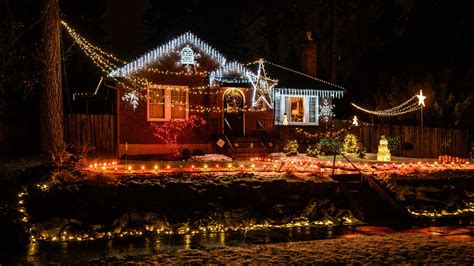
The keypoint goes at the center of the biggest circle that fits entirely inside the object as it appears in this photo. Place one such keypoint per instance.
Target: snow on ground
(379, 249)
(212, 158)
(369, 158)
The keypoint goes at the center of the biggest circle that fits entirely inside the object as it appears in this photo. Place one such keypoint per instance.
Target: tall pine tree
(52, 129)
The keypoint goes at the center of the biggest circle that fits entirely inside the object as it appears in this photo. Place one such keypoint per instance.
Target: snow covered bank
(110, 205)
(433, 193)
(384, 249)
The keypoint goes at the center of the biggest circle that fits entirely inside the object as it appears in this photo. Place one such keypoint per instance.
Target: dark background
(386, 50)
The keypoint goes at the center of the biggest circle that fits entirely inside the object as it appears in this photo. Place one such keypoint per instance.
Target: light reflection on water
(73, 252)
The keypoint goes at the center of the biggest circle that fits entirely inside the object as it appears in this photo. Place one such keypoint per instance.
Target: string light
(102, 59)
(108, 64)
(233, 67)
(303, 74)
(406, 107)
(165, 49)
(262, 85)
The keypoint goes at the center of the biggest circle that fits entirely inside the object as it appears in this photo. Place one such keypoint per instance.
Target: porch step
(247, 147)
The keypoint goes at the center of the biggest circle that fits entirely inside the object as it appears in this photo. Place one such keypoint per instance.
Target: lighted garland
(262, 95)
(108, 62)
(302, 74)
(408, 106)
(164, 49)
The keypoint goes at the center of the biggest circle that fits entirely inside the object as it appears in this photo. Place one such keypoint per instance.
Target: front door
(233, 112)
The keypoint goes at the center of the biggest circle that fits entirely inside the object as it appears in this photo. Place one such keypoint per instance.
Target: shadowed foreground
(392, 248)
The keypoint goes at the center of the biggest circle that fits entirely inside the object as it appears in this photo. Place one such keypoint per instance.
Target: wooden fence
(417, 142)
(96, 130)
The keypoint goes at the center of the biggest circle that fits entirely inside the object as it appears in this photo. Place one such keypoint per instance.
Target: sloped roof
(160, 51)
(290, 78)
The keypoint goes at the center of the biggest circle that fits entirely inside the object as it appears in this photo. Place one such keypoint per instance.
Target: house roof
(290, 78)
(165, 49)
(229, 72)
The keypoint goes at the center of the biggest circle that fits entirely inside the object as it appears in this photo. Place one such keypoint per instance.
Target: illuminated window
(156, 103)
(178, 104)
(299, 109)
(296, 109)
(167, 102)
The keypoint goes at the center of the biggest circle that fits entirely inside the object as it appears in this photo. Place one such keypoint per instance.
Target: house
(187, 78)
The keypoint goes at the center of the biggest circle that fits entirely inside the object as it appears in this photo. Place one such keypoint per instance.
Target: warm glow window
(167, 102)
(296, 109)
(156, 103)
(178, 104)
(299, 109)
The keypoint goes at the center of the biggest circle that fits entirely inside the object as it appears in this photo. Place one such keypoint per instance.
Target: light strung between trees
(413, 104)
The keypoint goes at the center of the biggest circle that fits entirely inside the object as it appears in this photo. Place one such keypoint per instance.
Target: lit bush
(291, 147)
(393, 142)
(350, 143)
(313, 150)
(326, 146)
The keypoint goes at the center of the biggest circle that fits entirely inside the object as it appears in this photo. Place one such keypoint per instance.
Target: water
(73, 252)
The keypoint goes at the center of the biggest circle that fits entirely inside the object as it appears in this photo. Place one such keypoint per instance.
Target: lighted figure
(383, 153)
(355, 121)
(285, 119)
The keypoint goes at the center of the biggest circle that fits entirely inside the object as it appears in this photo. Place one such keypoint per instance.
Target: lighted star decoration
(421, 99)
(262, 87)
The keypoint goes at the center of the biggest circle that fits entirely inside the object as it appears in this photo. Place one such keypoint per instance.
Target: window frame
(167, 109)
(285, 108)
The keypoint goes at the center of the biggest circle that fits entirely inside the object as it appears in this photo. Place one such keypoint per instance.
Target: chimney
(309, 55)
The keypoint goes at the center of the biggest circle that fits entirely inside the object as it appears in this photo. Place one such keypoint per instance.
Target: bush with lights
(350, 144)
(313, 150)
(291, 147)
(326, 146)
(393, 142)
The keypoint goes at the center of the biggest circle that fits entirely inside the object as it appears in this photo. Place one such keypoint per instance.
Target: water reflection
(73, 252)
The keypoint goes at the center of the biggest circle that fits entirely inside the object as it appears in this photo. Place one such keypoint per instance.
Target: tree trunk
(52, 129)
(333, 42)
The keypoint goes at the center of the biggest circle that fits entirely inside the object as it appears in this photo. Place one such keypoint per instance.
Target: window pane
(178, 103)
(277, 109)
(312, 109)
(296, 109)
(156, 103)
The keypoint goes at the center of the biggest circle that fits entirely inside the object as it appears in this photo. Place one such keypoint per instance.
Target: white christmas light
(326, 110)
(262, 86)
(407, 107)
(186, 38)
(132, 98)
(421, 99)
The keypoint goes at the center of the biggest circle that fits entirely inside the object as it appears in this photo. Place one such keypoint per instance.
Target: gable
(231, 72)
(184, 50)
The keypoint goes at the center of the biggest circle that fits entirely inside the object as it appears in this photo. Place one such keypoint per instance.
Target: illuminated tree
(169, 132)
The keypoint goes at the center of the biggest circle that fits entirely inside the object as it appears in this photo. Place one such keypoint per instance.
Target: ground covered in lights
(395, 248)
(430, 193)
(106, 205)
(215, 194)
